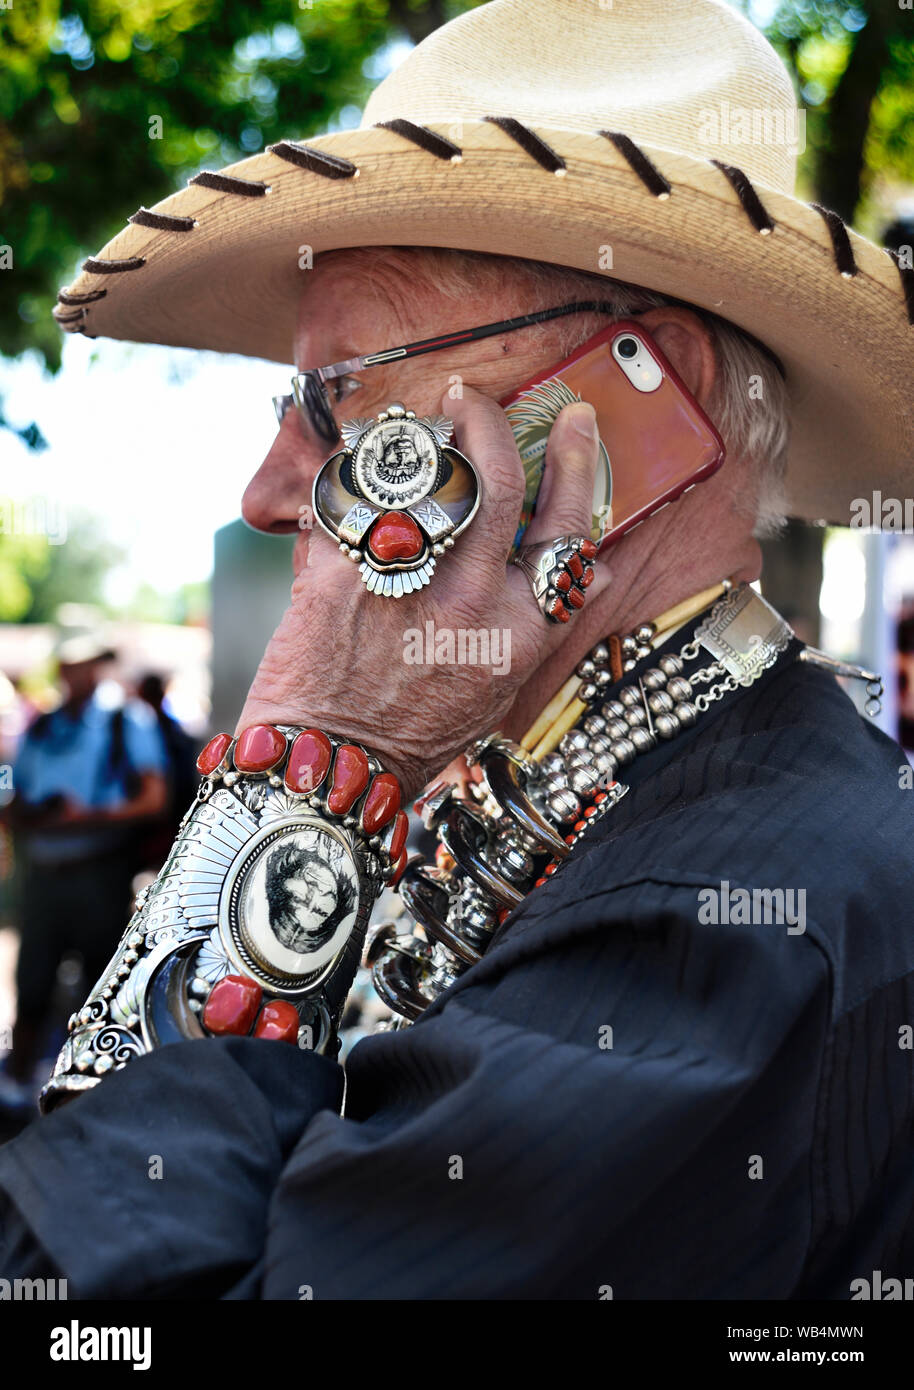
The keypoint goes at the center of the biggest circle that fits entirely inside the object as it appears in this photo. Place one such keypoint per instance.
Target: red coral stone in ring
(589, 549)
(232, 1005)
(395, 537)
(577, 599)
(309, 761)
(278, 1021)
(586, 578)
(382, 802)
(574, 564)
(350, 778)
(259, 748)
(211, 756)
(563, 581)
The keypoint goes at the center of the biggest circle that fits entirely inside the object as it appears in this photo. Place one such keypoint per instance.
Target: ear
(685, 340)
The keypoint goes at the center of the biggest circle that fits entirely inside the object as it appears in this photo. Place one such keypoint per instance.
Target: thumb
(565, 503)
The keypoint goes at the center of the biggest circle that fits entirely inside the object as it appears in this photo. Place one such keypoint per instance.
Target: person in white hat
(663, 963)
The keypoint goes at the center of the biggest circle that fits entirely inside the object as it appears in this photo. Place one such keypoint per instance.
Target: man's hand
(336, 660)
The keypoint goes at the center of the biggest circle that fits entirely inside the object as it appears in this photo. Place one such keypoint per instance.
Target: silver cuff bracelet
(256, 922)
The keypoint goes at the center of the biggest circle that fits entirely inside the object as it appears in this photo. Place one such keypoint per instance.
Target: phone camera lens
(627, 347)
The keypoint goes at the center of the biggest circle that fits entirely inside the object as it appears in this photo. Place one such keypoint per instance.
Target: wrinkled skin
(336, 660)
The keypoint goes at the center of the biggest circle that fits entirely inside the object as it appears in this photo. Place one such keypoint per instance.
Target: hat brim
(78, 651)
(217, 266)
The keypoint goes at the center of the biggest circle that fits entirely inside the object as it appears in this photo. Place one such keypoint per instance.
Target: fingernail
(584, 420)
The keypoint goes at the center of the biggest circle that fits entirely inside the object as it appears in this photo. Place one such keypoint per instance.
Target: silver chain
(706, 674)
(716, 692)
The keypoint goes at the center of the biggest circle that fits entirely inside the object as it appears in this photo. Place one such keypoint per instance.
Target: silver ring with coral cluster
(396, 497)
(560, 572)
(255, 924)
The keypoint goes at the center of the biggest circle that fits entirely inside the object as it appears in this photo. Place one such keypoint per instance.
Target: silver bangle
(256, 921)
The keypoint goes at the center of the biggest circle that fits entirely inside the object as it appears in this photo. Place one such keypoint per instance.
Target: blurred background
(121, 466)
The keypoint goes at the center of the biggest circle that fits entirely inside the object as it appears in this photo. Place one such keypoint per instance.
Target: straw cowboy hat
(555, 129)
(81, 636)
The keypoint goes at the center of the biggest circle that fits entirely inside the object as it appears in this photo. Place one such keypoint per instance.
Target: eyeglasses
(316, 391)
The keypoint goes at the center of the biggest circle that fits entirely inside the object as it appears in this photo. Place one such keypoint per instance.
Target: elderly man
(631, 1070)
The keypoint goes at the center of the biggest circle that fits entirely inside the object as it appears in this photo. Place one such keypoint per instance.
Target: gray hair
(749, 402)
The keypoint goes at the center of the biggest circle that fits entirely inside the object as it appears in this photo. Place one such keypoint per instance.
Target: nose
(281, 487)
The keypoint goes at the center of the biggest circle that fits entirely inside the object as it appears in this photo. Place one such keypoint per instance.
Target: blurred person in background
(87, 775)
(181, 772)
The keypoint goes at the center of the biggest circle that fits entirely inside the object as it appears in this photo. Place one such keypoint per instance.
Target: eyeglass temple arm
(468, 335)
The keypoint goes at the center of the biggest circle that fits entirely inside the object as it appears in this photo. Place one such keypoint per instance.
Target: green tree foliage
(37, 575)
(854, 67)
(109, 104)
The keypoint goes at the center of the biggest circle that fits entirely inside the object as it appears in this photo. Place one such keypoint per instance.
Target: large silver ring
(560, 573)
(396, 497)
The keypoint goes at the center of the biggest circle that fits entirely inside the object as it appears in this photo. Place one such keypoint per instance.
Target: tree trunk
(840, 163)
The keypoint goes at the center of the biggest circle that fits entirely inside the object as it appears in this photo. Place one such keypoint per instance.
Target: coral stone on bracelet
(350, 778)
(309, 761)
(381, 804)
(278, 1021)
(212, 755)
(341, 778)
(232, 1005)
(259, 748)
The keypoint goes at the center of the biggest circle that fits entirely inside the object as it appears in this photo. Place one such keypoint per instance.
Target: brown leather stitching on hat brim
(647, 171)
(841, 242)
(751, 203)
(531, 143)
(226, 183)
(95, 267)
(160, 222)
(333, 166)
(426, 139)
(64, 297)
(328, 166)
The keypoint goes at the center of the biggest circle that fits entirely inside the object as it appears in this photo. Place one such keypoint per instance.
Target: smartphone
(656, 442)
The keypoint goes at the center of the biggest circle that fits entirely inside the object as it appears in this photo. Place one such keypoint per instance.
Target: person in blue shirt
(86, 778)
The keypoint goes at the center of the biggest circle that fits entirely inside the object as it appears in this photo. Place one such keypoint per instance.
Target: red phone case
(660, 443)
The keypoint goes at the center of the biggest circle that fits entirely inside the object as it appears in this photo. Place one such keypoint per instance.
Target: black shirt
(747, 1134)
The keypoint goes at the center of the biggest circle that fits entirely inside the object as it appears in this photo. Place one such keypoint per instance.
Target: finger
(565, 503)
(483, 434)
(566, 508)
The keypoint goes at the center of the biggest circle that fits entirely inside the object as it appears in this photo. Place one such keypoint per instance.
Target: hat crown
(695, 78)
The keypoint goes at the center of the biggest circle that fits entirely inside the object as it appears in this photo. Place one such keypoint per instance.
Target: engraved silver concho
(744, 633)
